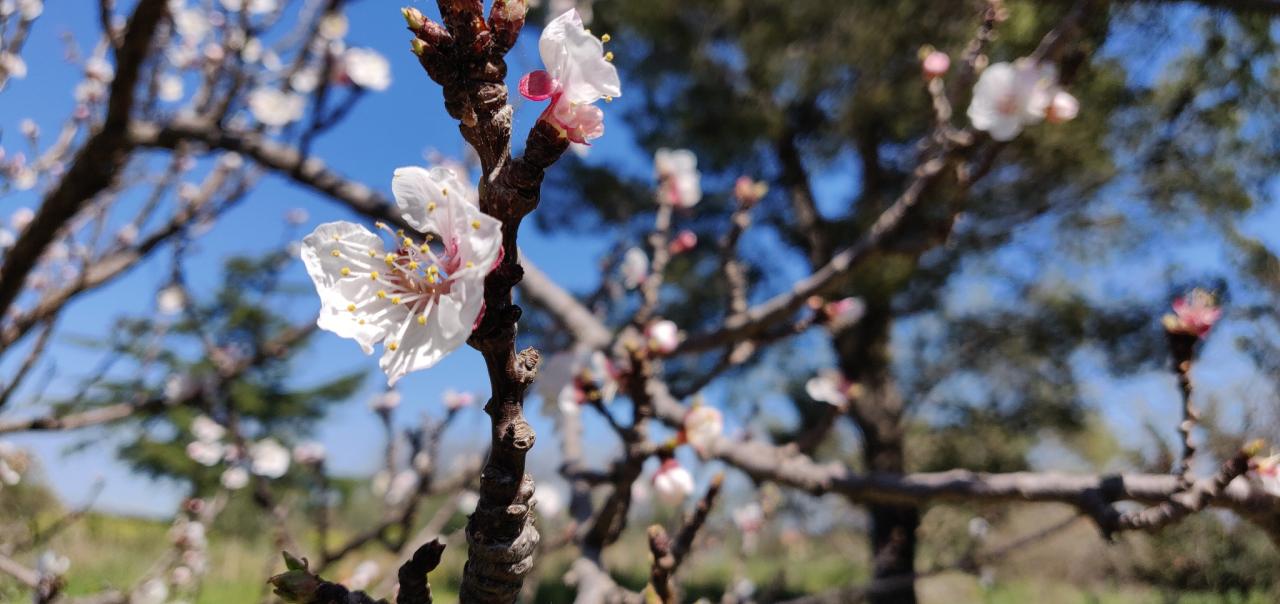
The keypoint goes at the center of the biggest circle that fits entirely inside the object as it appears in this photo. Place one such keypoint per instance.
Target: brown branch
(414, 586)
(98, 162)
(119, 411)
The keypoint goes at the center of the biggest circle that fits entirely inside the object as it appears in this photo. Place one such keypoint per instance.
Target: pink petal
(537, 85)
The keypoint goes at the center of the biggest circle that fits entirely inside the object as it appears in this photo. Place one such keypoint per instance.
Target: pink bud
(935, 64)
(683, 242)
(1062, 108)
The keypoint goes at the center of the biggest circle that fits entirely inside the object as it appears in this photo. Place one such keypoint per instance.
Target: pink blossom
(935, 64)
(578, 73)
(663, 336)
(454, 400)
(748, 191)
(1193, 314)
(683, 242)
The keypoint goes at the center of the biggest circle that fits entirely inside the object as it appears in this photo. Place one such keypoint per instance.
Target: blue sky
(395, 128)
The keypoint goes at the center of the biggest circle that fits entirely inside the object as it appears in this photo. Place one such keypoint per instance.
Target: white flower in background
(380, 482)
(385, 401)
(191, 24)
(154, 591)
(254, 7)
(20, 218)
(25, 179)
(1063, 108)
(52, 565)
(189, 534)
(363, 576)
(297, 216)
(843, 313)
(366, 68)
(749, 518)
(467, 502)
(28, 128)
(235, 478)
(309, 452)
(663, 336)
(454, 400)
(269, 458)
(635, 267)
(578, 73)
(640, 492)
(672, 482)
(1009, 97)
(171, 300)
(305, 80)
(679, 182)
(979, 527)
(29, 10)
(171, 88)
(181, 576)
(206, 453)
(6, 239)
(421, 299)
(401, 487)
(333, 26)
(548, 501)
(564, 380)
(1266, 472)
(13, 65)
(275, 107)
(99, 69)
(703, 424)
(207, 430)
(89, 91)
(180, 387)
(830, 387)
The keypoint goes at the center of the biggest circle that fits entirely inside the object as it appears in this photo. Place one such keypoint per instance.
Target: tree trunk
(864, 358)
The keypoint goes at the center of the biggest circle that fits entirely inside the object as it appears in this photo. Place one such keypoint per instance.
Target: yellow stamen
(475, 224)
(351, 308)
(605, 38)
(471, 264)
(444, 192)
(392, 346)
(345, 271)
(413, 266)
(407, 242)
(382, 293)
(335, 253)
(380, 224)
(390, 259)
(422, 319)
(423, 248)
(395, 299)
(431, 278)
(374, 275)
(362, 321)
(431, 206)
(399, 232)
(608, 99)
(608, 56)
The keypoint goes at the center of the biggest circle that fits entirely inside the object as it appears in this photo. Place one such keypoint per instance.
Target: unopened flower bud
(935, 64)
(683, 242)
(413, 18)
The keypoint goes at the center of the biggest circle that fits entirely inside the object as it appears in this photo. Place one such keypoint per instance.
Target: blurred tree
(223, 357)
(818, 97)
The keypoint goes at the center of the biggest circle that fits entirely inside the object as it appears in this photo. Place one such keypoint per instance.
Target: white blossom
(206, 453)
(663, 336)
(154, 591)
(254, 7)
(548, 500)
(679, 181)
(309, 452)
(171, 88)
(401, 487)
(672, 482)
(275, 107)
(52, 565)
(235, 478)
(180, 387)
(703, 424)
(171, 300)
(20, 218)
(749, 518)
(13, 65)
(363, 576)
(635, 267)
(191, 24)
(269, 458)
(1009, 97)
(333, 26)
(467, 502)
(207, 430)
(421, 298)
(578, 73)
(366, 68)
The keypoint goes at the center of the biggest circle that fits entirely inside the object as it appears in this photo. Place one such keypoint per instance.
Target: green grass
(113, 552)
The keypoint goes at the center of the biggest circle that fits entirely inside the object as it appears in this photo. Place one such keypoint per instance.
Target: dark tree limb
(96, 165)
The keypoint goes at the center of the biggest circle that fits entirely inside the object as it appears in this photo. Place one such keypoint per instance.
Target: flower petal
(537, 85)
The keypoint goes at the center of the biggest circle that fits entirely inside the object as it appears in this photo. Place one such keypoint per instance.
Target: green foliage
(239, 322)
